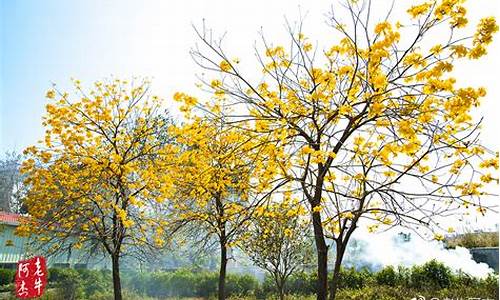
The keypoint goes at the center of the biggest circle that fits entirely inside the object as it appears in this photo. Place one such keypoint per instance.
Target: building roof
(9, 218)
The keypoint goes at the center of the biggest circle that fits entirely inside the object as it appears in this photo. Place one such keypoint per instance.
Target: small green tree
(278, 240)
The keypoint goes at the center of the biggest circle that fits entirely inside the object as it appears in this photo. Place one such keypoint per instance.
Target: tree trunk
(336, 270)
(322, 252)
(222, 272)
(117, 287)
(280, 286)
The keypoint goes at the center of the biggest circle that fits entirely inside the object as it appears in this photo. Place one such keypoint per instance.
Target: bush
(431, 275)
(301, 283)
(80, 283)
(432, 279)
(95, 281)
(207, 284)
(7, 276)
(68, 282)
(240, 285)
(161, 282)
(386, 276)
(140, 282)
(353, 279)
(182, 283)
(188, 283)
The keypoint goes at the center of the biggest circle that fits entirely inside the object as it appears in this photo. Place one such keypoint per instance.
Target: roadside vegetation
(432, 279)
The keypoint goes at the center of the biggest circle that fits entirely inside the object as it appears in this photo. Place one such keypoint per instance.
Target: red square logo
(31, 277)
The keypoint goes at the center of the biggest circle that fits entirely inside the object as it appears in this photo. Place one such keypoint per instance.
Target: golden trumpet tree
(218, 179)
(373, 130)
(99, 176)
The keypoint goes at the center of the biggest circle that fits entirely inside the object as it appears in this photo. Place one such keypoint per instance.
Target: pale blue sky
(53, 40)
(45, 41)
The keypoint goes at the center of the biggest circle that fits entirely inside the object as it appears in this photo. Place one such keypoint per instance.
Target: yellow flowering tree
(278, 240)
(214, 179)
(373, 130)
(99, 176)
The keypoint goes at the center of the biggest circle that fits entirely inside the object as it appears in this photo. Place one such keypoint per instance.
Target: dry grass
(473, 240)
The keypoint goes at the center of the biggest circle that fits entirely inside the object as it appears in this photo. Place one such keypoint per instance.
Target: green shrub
(140, 282)
(431, 275)
(95, 281)
(207, 284)
(6, 288)
(386, 276)
(240, 285)
(68, 282)
(7, 276)
(489, 286)
(182, 283)
(302, 283)
(161, 282)
(403, 276)
(188, 283)
(432, 279)
(354, 279)
(463, 279)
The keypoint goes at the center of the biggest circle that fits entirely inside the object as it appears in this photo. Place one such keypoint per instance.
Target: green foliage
(386, 276)
(68, 282)
(7, 276)
(81, 283)
(302, 283)
(431, 275)
(299, 283)
(353, 279)
(207, 284)
(140, 282)
(95, 281)
(181, 283)
(188, 283)
(240, 284)
(432, 279)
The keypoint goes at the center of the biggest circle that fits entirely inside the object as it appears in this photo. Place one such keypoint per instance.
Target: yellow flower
(345, 109)
(216, 83)
(51, 94)
(418, 10)
(436, 49)
(438, 237)
(382, 27)
(225, 66)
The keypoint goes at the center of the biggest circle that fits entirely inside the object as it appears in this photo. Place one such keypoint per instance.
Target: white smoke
(391, 248)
